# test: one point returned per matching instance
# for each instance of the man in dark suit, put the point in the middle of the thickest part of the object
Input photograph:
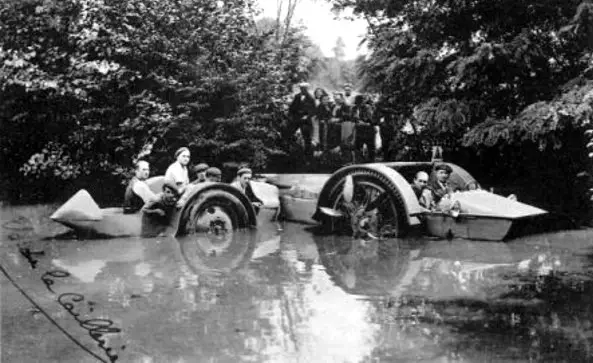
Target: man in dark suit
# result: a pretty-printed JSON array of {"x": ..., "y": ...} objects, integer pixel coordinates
[{"x": 301, "y": 111}]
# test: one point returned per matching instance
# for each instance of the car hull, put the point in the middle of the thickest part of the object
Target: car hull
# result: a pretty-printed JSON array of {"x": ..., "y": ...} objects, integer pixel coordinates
[{"x": 313, "y": 199}]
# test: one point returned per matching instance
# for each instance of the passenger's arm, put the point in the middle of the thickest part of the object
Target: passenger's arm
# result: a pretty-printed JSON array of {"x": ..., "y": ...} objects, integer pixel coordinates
[
  {"x": 143, "y": 191},
  {"x": 148, "y": 208}
]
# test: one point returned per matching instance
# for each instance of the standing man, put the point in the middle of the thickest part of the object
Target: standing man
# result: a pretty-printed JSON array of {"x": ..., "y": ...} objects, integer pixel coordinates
[
  {"x": 138, "y": 192},
  {"x": 362, "y": 113},
  {"x": 323, "y": 114},
  {"x": 343, "y": 117},
  {"x": 301, "y": 111},
  {"x": 348, "y": 94}
]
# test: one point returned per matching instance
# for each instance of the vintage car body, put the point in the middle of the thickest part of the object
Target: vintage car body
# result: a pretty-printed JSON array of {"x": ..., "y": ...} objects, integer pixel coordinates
[{"x": 369, "y": 200}]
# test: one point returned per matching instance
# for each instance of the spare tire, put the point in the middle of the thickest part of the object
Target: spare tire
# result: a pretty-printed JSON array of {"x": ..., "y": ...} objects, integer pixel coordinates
[{"x": 375, "y": 197}]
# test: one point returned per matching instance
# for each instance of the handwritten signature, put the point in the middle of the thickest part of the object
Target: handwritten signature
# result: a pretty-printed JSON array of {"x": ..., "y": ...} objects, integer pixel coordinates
[
  {"x": 28, "y": 254},
  {"x": 96, "y": 328}
]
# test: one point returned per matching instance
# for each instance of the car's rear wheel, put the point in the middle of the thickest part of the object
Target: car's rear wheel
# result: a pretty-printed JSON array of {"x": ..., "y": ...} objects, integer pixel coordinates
[
  {"x": 215, "y": 211},
  {"x": 373, "y": 206}
]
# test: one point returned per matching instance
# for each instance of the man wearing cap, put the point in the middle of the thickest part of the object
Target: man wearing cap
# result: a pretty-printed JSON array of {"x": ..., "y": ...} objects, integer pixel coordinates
[
  {"x": 439, "y": 185},
  {"x": 200, "y": 172},
  {"x": 164, "y": 205},
  {"x": 138, "y": 192},
  {"x": 213, "y": 175},
  {"x": 242, "y": 183},
  {"x": 301, "y": 111}
]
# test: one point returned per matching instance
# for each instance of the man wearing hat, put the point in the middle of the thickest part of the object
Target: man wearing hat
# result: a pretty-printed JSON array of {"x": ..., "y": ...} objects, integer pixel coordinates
[
  {"x": 200, "y": 172},
  {"x": 244, "y": 175},
  {"x": 301, "y": 110},
  {"x": 164, "y": 205},
  {"x": 439, "y": 184},
  {"x": 213, "y": 175}
]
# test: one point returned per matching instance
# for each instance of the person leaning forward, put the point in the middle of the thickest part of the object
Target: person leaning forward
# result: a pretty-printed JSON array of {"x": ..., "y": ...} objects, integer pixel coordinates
[
  {"x": 138, "y": 193},
  {"x": 163, "y": 206},
  {"x": 242, "y": 183}
]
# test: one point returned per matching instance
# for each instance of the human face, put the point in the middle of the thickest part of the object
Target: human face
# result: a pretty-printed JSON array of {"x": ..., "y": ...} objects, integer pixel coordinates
[
  {"x": 142, "y": 171},
  {"x": 214, "y": 179},
  {"x": 339, "y": 99},
  {"x": 421, "y": 181},
  {"x": 244, "y": 179},
  {"x": 442, "y": 176},
  {"x": 169, "y": 194},
  {"x": 183, "y": 158},
  {"x": 325, "y": 100},
  {"x": 347, "y": 91},
  {"x": 318, "y": 94}
]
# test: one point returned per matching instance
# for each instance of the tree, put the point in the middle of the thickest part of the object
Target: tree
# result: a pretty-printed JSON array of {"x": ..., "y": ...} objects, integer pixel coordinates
[
  {"x": 90, "y": 86},
  {"x": 509, "y": 79},
  {"x": 496, "y": 58}
]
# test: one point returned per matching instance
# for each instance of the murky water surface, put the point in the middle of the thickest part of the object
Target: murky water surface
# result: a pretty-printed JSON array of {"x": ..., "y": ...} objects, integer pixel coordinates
[{"x": 291, "y": 296}]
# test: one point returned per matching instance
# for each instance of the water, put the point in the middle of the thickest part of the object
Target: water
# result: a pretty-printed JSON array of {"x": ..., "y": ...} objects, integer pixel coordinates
[{"x": 291, "y": 296}]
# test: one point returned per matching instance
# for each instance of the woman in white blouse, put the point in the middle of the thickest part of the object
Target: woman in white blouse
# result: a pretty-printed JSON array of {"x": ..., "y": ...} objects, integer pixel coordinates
[{"x": 177, "y": 172}]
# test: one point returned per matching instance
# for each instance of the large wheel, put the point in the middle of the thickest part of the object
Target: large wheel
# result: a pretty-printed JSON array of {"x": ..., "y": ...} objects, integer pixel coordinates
[
  {"x": 215, "y": 211},
  {"x": 375, "y": 207}
]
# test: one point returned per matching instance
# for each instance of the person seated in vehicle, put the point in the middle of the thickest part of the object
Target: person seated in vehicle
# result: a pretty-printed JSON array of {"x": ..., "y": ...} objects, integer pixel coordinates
[
  {"x": 244, "y": 176},
  {"x": 420, "y": 188},
  {"x": 162, "y": 208},
  {"x": 439, "y": 185},
  {"x": 442, "y": 192},
  {"x": 200, "y": 172},
  {"x": 177, "y": 172},
  {"x": 213, "y": 175},
  {"x": 138, "y": 192}
]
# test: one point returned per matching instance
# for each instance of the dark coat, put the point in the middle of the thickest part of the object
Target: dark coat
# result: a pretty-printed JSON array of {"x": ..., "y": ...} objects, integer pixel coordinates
[{"x": 302, "y": 105}]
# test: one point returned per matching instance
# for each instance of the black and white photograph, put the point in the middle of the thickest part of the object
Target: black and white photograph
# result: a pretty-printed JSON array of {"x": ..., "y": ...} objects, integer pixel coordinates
[{"x": 296, "y": 181}]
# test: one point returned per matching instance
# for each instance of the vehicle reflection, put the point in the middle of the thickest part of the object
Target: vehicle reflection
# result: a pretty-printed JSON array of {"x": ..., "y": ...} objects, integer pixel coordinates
[
  {"x": 298, "y": 296},
  {"x": 469, "y": 300}
]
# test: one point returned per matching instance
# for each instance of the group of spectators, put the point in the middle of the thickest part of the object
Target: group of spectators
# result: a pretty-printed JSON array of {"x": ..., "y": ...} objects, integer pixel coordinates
[
  {"x": 177, "y": 187},
  {"x": 345, "y": 119}
]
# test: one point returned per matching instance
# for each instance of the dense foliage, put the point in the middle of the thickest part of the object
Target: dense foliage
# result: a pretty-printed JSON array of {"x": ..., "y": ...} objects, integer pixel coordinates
[
  {"x": 89, "y": 86},
  {"x": 506, "y": 79}
]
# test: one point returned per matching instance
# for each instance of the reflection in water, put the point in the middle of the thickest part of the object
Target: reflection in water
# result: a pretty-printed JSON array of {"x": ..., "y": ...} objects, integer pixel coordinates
[
  {"x": 293, "y": 296},
  {"x": 466, "y": 300},
  {"x": 85, "y": 271}
]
